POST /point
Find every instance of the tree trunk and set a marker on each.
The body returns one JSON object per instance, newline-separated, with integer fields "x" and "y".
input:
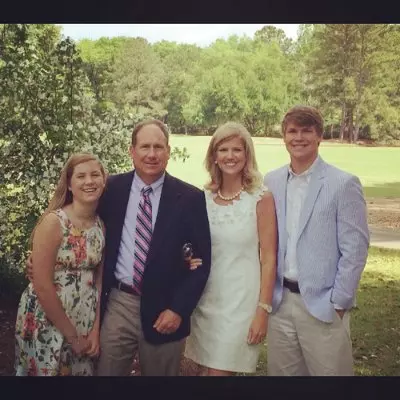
{"x": 248, "y": 122}
{"x": 360, "y": 81}
{"x": 356, "y": 124}
{"x": 350, "y": 138}
{"x": 331, "y": 133}
{"x": 356, "y": 132}
{"x": 343, "y": 122}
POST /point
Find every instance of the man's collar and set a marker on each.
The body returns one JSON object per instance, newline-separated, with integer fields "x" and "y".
{"x": 307, "y": 172}
{"x": 139, "y": 184}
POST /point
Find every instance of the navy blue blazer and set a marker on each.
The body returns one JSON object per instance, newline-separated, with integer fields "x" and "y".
{"x": 167, "y": 282}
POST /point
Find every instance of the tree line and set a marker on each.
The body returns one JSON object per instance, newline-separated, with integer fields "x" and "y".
{"x": 349, "y": 71}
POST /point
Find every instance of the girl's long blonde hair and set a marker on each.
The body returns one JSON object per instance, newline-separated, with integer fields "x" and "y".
{"x": 62, "y": 195}
{"x": 252, "y": 178}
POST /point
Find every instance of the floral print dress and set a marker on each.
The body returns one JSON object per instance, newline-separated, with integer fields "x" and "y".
{"x": 41, "y": 349}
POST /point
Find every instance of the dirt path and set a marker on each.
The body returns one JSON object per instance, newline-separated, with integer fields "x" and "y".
{"x": 384, "y": 213}
{"x": 384, "y": 237}
{"x": 384, "y": 222}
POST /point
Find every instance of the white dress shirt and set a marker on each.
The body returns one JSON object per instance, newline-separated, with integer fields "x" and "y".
{"x": 296, "y": 192}
{"x": 124, "y": 266}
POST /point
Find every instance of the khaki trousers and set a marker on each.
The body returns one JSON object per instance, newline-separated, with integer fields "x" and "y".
{"x": 301, "y": 345}
{"x": 121, "y": 336}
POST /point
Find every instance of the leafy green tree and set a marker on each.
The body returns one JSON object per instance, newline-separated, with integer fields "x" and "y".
{"x": 381, "y": 101}
{"x": 246, "y": 80}
{"x": 270, "y": 34}
{"x": 350, "y": 68}
{"x": 46, "y": 114}
{"x": 98, "y": 57}
{"x": 332, "y": 68}
{"x": 138, "y": 80}
{"x": 180, "y": 63}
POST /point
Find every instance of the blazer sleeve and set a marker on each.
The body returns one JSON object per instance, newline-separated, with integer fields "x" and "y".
{"x": 102, "y": 206}
{"x": 198, "y": 231}
{"x": 353, "y": 241}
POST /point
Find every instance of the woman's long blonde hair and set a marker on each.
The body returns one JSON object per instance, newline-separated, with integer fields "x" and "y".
{"x": 252, "y": 178}
{"x": 62, "y": 195}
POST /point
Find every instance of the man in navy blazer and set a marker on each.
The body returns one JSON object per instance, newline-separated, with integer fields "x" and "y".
{"x": 323, "y": 248}
{"x": 154, "y": 320}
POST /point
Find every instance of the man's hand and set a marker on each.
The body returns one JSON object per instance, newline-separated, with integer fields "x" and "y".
{"x": 167, "y": 322}
{"x": 29, "y": 268}
{"x": 340, "y": 313}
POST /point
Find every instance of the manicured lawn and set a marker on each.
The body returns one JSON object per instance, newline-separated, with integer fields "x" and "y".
{"x": 377, "y": 167}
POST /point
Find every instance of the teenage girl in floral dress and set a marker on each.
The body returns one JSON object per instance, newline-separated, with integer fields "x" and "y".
{"x": 57, "y": 327}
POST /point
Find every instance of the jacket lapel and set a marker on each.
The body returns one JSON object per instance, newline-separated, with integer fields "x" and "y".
{"x": 315, "y": 186}
{"x": 115, "y": 221}
{"x": 280, "y": 199}
{"x": 121, "y": 203}
{"x": 168, "y": 201}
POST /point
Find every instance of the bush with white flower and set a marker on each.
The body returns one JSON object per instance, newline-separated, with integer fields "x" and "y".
{"x": 47, "y": 112}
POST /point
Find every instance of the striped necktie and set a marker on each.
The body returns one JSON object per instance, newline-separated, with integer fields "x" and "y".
{"x": 143, "y": 235}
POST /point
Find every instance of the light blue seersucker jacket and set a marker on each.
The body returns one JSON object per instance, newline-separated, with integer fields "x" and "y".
{"x": 333, "y": 238}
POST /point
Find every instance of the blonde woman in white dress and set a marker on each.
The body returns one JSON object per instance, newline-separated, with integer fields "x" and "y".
{"x": 231, "y": 319}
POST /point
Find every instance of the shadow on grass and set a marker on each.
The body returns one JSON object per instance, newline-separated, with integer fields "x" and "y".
{"x": 389, "y": 189}
{"x": 12, "y": 284}
{"x": 375, "y": 325}
{"x": 8, "y": 313}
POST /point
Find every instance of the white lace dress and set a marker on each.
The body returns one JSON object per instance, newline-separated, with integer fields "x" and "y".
{"x": 221, "y": 321}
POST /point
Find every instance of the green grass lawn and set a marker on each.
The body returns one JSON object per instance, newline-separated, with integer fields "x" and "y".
{"x": 375, "y": 323}
{"x": 377, "y": 167}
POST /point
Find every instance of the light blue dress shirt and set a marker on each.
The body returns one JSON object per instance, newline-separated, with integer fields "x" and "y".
{"x": 124, "y": 267}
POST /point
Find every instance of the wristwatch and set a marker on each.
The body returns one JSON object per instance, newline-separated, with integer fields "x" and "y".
{"x": 266, "y": 307}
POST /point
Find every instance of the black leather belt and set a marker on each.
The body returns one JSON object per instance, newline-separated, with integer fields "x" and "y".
{"x": 291, "y": 285}
{"x": 125, "y": 288}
